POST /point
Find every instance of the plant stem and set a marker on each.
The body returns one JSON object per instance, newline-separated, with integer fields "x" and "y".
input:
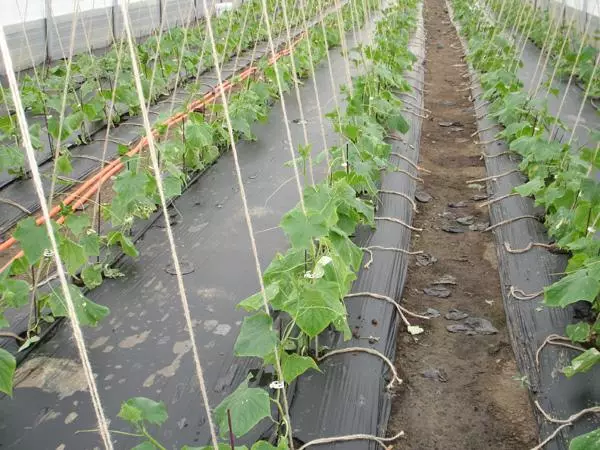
{"x": 152, "y": 440}
{"x": 231, "y": 436}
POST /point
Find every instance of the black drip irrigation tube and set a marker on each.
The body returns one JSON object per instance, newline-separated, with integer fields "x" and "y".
{"x": 523, "y": 276}
{"x": 350, "y": 395}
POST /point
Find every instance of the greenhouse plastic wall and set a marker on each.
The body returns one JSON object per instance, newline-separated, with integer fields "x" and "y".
{"x": 584, "y": 10}
{"x": 41, "y": 31}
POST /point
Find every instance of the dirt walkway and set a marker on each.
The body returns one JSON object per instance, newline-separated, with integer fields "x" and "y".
{"x": 463, "y": 390}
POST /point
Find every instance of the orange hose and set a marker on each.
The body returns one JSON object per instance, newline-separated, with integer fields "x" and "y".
{"x": 91, "y": 185}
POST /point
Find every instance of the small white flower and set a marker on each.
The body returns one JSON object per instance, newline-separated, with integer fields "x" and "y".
{"x": 277, "y": 385}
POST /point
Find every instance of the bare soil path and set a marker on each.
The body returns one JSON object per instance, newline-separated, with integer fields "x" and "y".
{"x": 463, "y": 390}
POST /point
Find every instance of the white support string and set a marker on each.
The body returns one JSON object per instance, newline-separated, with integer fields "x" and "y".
{"x": 286, "y": 121}
{"x": 37, "y": 182}
{"x": 568, "y": 87}
{"x": 181, "y": 56}
{"x": 561, "y": 53}
{"x": 69, "y": 64}
{"x": 496, "y": 29}
{"x": 113, "y": 96}
{"x": 314, "y": 83}
{"x": 342, "y": 31}
{"x": 547, "y": 58}
{"x": 529, "y": 25}
{"x": 297, "y": 88}
{"x": 584, "y": 100}
{"x": 540, "y": 57}
{"x": 168, "y": 230}
{"x": 331, "y": 79}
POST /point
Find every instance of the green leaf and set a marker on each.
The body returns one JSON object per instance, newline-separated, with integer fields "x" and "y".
{"x": 125, "y": 243}
{"x": 142, "y": 409}
{"x": 398, "y": 123}
{"x": 295, "y": 365}
{"x": 8, "y": 365}
{"x": 587, "y": 441}
{"x": 74, "y": 121}
{"x": 172, "y": 186}
{"x": 220, "y": 446}
{"x": 32, "y": 239}
{"x": 302, "y": 229}
{"x": 88, "y": 312}
{"x": 198, "y": 134}
{"x": 257, "y": 337}
{"x": 91, "y": 243}
{"x": 247, "y": 406}
{"x": 579, "y": 332}
{"x": 146, "y": 445}
{"x": 92, "y": 276}
{"x": 32, "y": 340}
{"x": 530, "y": 188}
{"x": 63, "y": 164}
{"x": 20, "y": 266}
{"x": 72, "y": 254}
{"x": 318, "y": 309}
{"x": 14, "y": 293}
{"x": 263, "y": 445}
{"x": 577, "y": 286}
{"x": 583, "y": 362}
{"x": 255, "y": 302}
{"x": 77, "y": 223}
{"x": 346, "y": 249}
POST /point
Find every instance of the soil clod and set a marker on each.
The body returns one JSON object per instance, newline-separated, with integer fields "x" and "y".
{"x": 446, "y": 279}
{"x": 455, "y": 314}
{"x": 466, "y": 220}
{"x": 425, "y": 259}
{"x": 454, "y": 229}
{"x": 437, "y": 291}
{"x": 435, "y": 374}
{"x": 472, "y": 326}
{"x": 432, "y": 312}
{"x": 422, "y": 196}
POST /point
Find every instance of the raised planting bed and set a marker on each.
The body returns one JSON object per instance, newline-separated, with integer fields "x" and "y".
{"x": 540, "y": 302}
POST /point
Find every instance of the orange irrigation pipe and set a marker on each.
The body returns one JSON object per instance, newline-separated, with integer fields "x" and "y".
{"x": 91, "y": 185}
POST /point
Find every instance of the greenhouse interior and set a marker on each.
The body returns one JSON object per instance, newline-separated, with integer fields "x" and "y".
{"x": 409, "y": 191}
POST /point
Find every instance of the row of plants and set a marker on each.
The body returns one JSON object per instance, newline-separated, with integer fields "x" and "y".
{"x": 560, "y": 178}
{"x": 306, "y": 286}
{"x": 184, "y": 150}
{"x": 542, "y": 26}
{"x": 93, "y": 81}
